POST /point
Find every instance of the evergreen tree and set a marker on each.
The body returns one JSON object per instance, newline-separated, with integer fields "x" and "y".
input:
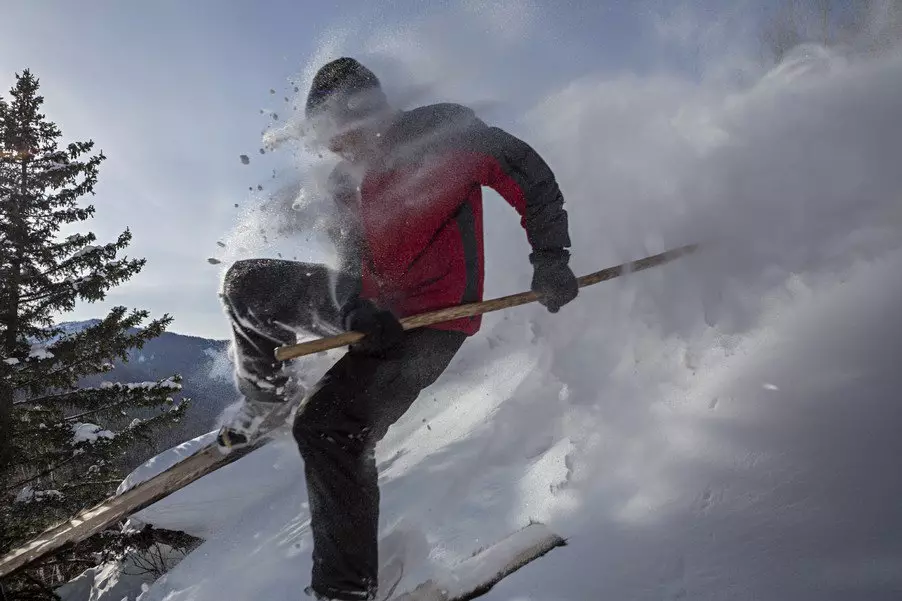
{"x": 62, "y": 446}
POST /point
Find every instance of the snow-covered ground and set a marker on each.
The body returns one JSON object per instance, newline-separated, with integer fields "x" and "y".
{"x": 764, "y": 472}
{"x": 725, "y": 427}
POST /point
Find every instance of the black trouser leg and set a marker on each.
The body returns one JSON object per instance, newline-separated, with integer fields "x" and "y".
{"x": 268, "y": 302}
{"x": 337, "y": 429}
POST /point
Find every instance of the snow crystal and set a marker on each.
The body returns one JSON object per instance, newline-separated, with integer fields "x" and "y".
{"x": 84, "y": 432}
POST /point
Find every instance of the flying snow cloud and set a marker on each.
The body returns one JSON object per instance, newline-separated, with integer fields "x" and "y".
{"x": 786, "y": 176}
{"x": 780, "y": 173}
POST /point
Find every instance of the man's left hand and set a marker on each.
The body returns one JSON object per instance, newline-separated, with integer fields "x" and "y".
{"x": 383, "y": 330}
{"x": 552, "y": 279}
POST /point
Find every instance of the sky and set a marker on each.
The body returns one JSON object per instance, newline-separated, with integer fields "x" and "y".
{"x": 174, "y": 92}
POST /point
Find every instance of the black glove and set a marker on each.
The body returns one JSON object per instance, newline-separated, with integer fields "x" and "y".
{"x": 382, "y": 328}
{"x": 552, "y": 278}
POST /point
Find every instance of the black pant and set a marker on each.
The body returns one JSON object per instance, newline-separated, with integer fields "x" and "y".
{"x": 348, "y": 411}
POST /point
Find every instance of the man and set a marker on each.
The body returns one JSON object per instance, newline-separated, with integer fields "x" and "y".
{"x": 409, "y": 232}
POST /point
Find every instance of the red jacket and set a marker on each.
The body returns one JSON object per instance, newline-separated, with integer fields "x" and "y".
{"x": 411, "y": 228}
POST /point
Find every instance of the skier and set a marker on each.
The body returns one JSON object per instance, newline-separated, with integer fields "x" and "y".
{"x": 410, "y": 238}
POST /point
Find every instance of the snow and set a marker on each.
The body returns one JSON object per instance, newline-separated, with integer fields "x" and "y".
{"x": 771, "y": 494}
{"x": 164, "y": 461}
{"x": 28, "y": 495}
{"x": 57, "y": 166}
{"x": 85, "y": 250}
{"x": 11, "y": 361}
{"x": 724, "y": 427}
{"x": 83, "y": 432}
{"x": 39, "y": 352}
{"x": 114, "y": 580}
{"x": 167, "y": 384}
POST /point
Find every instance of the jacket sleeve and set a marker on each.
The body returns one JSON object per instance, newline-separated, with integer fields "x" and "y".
{"x": 512, "y": 168}
{"x": 344, "y": 232}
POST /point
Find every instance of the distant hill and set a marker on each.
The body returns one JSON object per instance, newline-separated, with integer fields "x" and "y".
{"x": 203, "y": 364}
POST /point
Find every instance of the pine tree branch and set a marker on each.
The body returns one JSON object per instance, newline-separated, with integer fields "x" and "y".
{"x": 70, "y": 560}
{"x": 51, "y": 397}
{"x": 57, "y": 288}
{"x": 92, "y": 483}
{"x": 98, "y": 410}
{"x": 72, "y": 418}
{"x": 41, "y": 586}
{"x": 40, "y": 475}
{"x": 67, "y": 367}
{"x": 136, "y": 340}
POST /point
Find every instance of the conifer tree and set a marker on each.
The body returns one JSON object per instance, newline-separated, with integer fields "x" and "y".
{"x": 62, "y": 446}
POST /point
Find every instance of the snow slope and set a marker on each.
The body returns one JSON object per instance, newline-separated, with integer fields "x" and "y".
{"x": 765, "y": 473}
{"x": 721, "y": 428}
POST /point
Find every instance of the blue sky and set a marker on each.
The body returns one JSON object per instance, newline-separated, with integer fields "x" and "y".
{"x": 172, "y": 92}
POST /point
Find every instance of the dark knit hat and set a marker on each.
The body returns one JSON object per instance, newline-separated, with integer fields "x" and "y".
{"x": 344, "y": 89}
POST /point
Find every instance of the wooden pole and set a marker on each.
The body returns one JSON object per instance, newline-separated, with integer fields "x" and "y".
{"x": 293, "y": 351}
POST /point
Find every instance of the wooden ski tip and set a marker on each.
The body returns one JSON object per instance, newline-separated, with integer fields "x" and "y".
{"x": 479, "y": 573}
{"x": 489, "y": 566}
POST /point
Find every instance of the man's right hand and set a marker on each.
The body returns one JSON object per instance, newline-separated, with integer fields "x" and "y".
{"x": 381, "y": 328}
